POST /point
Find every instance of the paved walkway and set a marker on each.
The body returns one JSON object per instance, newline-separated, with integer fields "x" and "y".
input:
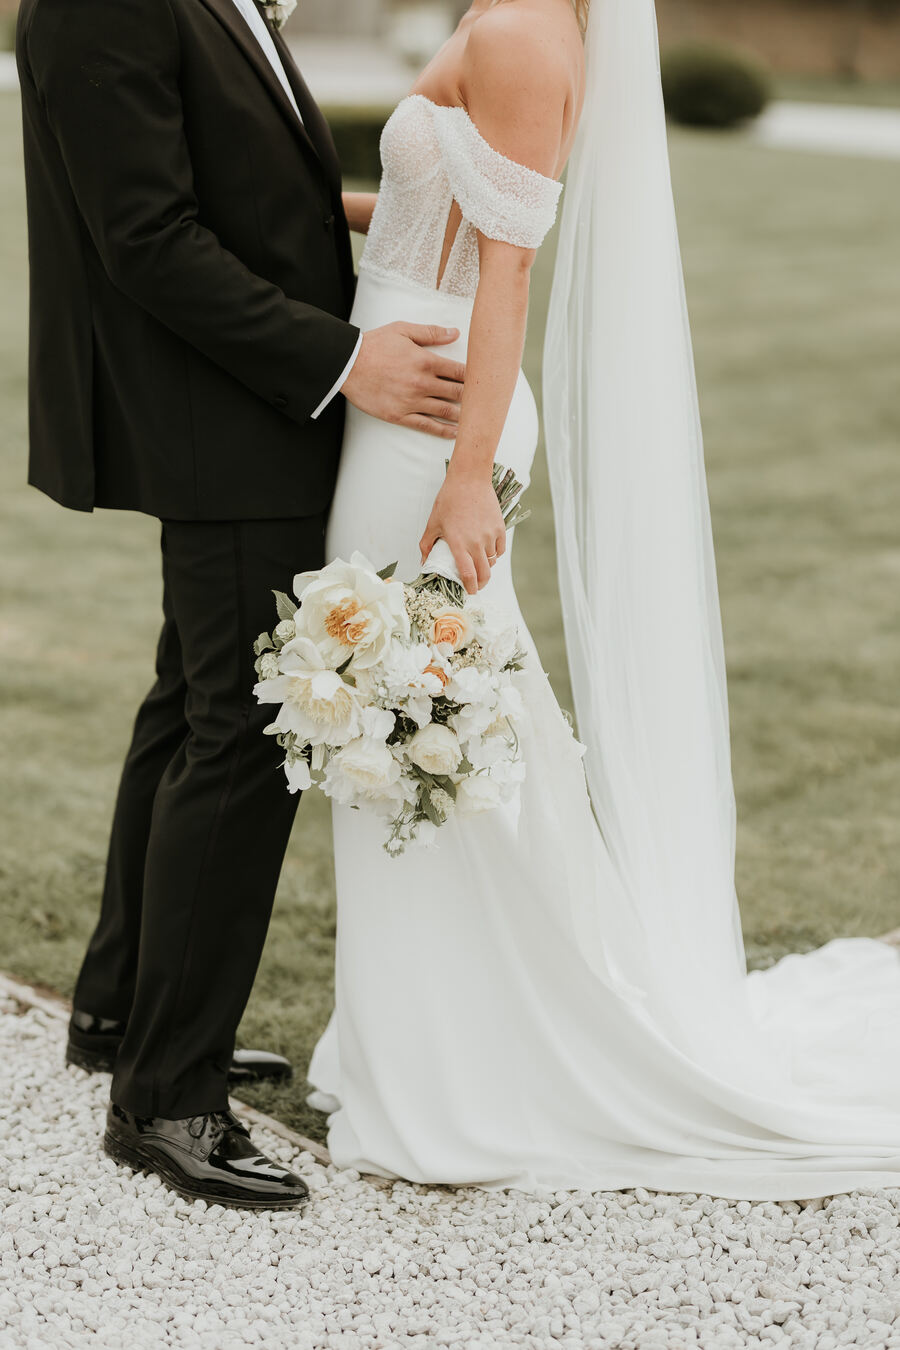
{"x": 93, "y": 1258}
{"x": 830, "y": 127}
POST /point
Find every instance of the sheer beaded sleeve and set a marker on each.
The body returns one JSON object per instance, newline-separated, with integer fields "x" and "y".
{"x": 504, "y": 200}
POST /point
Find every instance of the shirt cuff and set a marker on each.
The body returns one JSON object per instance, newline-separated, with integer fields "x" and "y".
{"x": 339, "y": 382}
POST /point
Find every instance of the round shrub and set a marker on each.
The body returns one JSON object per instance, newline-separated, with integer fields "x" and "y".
{"x": 705, "y": 85}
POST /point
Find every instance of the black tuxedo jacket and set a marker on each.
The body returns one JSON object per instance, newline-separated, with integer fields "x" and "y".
{"x": 191, "y": 274}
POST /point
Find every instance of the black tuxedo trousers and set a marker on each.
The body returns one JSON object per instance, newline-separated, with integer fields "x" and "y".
{"x": 201, "y": 823}
{"x": 191, "y": 282}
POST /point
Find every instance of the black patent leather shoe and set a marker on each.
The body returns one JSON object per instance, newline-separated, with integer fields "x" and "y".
{"x": 94, "y": 1043}
{"x": 210, "y": 1157}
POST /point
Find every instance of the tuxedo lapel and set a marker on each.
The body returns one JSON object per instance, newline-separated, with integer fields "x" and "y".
{"x": 313, "y": 118}
{"x": 231, "y": 19}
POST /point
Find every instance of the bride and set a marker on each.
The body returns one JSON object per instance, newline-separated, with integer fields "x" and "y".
{"x": 556, "y": 995}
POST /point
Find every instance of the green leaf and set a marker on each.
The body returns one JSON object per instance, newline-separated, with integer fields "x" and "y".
{"x": 340, "y": 670}
{"x": 431, "y": 810}
{"x": 285, "y": 606}
{"x": 263, "y": 644}
{"x": 387, "y": 572}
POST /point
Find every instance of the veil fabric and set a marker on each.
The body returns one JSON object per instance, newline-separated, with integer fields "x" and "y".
{"x": 635, "y": 553}
{"x": 795, "y": 1055}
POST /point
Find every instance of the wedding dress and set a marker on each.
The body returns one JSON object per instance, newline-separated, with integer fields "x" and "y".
{"x": 502, "y": 1015}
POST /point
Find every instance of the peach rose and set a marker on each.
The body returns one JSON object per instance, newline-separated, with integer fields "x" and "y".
{"x": 451, "y": 626}
{"x": 436, "y": 670}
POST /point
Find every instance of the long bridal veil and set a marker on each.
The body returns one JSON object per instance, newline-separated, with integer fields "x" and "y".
{"x": 795, "y": 1056}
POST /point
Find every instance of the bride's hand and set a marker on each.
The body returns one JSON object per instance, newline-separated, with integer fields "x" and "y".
{"x": 467, "y": 516}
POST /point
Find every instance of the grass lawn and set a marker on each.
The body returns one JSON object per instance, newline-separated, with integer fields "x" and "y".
{"x": 794, "y": 293}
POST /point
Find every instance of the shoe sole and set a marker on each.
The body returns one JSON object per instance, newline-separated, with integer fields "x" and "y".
{"x": 92, "y": 1061}
{"x": 131, "y": 1158}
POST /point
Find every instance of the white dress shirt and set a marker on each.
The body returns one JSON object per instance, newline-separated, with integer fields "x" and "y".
{"x": 257, "y": 26}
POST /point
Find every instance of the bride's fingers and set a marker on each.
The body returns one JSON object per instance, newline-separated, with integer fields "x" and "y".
{"x": 428, "y": 540}
{"x": 465, "y": 565}
{"x": 482, "y": 566}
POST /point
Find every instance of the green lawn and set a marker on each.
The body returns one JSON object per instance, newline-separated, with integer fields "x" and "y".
{"x": 794, "y": 291}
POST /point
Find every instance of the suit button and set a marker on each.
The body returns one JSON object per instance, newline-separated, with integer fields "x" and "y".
{"x": 280, "y": 401}
{"x": 328, "y": 222}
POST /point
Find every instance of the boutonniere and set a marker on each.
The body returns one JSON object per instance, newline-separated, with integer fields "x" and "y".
{"x": 279, "y": 11}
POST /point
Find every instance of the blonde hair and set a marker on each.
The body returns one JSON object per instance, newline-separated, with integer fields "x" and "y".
{"x": 581, "y": 14}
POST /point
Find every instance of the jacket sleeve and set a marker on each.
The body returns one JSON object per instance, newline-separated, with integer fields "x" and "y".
{"x": 107, "y": 74}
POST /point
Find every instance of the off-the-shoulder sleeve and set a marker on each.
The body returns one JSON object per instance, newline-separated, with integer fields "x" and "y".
{"x": 504, "y": 200}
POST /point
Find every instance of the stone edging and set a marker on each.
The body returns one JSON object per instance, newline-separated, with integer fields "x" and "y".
{"x": 57, "y": 1007}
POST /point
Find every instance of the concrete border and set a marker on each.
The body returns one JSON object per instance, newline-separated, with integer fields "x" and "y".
{"x": 57, "y": 1007}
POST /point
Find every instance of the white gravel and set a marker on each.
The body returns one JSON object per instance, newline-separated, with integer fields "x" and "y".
{"x": 92, "y": 1256}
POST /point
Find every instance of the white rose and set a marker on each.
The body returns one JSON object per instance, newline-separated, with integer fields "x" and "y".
{"x": 478, "y": 792}
{"x": 364, "y": 771}
{"x": 316, "y": 704}
{"x": 435, "y": 749}
{"x": 348, "y": 611}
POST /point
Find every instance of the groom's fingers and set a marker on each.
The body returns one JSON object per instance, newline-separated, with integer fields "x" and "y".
{"x": 428, "y": 334}
{"x": 454, "y": 372}
{"x": 441, "y": 408}
{"x": 433, "y": 426}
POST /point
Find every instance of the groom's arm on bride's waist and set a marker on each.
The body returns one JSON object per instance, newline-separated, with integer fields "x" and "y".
{"x": 107, "y": 72}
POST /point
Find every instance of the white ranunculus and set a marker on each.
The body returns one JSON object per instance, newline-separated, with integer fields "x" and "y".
{"x": 486, "y": 751}
{"x": 377, "y": 723}
{"x": 316, "y": 704}
{"x": 365, "y": 772}
{"x": 435, "y": 749}
{"x": 477, "y": 792}
{"x": 471, "y": 685}
{"x": 348, "y": 611}
{"x": 499, "y": 642}
{"x": 404, "y": 670}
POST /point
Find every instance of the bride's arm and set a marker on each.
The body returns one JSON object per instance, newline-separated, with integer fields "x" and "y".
{"x": 358, "y": 208}
{"x": 516, "y": 96}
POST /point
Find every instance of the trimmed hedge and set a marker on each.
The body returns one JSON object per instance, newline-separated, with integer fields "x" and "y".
{"x": 357, "y": 134}
{"x": 706, "y": 85}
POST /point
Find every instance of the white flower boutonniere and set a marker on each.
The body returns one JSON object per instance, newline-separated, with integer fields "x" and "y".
{"x": 279, "y": 11}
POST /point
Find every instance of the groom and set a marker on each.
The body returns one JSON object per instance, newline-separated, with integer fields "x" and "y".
{"x": 191, "y": 279}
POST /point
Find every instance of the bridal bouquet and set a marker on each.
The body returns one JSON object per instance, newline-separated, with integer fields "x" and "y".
{"x": 396, "y": 698}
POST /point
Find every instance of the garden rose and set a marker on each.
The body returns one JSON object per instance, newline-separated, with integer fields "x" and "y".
{"x": 364, "y": 771}
{"x": 349, "y": 612}
{"x": 451, "y": 626}
{"x": 435, "y": 749}
{"x": 477, "y": 792}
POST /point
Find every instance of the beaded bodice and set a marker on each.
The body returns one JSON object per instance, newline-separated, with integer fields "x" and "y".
{"x": 432, "y": 156}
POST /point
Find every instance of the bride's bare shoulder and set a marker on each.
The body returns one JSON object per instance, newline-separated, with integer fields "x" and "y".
{"x": 521, "y": 77}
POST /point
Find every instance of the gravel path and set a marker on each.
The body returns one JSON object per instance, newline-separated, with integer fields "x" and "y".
{"x": 91, "y": 1256}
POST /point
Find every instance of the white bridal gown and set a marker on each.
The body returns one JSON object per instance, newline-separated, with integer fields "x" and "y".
{"x": 478, "y": 1038}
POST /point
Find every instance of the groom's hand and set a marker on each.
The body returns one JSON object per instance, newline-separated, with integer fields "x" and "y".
{"x": 397, "y": 379}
